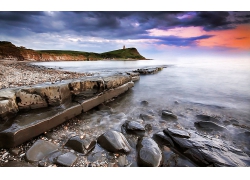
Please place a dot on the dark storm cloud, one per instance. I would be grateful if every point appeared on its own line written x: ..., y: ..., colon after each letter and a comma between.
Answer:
x: 177, y: 41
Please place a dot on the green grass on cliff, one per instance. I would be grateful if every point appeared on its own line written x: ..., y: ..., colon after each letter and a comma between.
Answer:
x: 128, y: 53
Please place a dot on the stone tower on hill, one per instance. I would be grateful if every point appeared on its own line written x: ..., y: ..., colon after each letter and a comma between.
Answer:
x: 124, y: 47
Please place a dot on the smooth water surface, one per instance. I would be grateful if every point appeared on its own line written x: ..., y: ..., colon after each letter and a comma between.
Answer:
x: 218, y: 88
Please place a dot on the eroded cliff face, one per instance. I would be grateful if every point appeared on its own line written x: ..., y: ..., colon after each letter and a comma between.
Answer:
x: 9, y: 51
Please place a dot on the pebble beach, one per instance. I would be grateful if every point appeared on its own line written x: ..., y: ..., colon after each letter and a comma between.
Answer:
x: 15, y: 74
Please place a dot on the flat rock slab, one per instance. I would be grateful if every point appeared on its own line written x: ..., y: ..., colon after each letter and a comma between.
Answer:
x: 208, y: 125
x: 114, y: 141
x: 27, y: 125
x: 206, y: 151
x: 149, y: 154
x: 8, y: 106
x: 83, y: 146
x: 67, y: 159
x: 39, y: 150
x: 207, y: 118
x: 115, y: 81
x: 167, y: 140
x: 176, y: 133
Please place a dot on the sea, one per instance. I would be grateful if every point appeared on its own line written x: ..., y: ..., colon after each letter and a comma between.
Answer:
x: 215, y: 87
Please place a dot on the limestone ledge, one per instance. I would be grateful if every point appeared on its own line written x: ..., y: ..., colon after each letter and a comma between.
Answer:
x: 50, y: 95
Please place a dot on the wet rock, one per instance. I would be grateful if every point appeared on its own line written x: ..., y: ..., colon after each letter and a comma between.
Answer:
x: 208, y: 125
x: 133, y: 125
x: 15, y: 151
x: 148, y: 127
x: 51, y: 158
x: 167, y: 140
x: 39, y: 150
x: 176, y: 133
x: 168, y: 114
x: 207, y: 118
x: 169, y: 157
x: 114, y: 141
x: 196, y: 156
x: 206, y: 151
x: 144, y: 103
x: 8, y: 106
x: 146, y: 117
x: 122, y: 161
x: 149, y: 153
x: 83, y: 146
x: 67, y: 159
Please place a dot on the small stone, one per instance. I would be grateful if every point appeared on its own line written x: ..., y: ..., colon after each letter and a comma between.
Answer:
x: 15, y: 151
x: 4, y: 155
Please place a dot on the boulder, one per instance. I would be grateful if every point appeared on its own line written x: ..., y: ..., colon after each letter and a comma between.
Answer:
x: 39, y: 150
x: 134, y: 127
x: 149, y: 154
x: 83, y: 146
x: 67, y: 159
x: 168, y: 114
x: 114, y: 141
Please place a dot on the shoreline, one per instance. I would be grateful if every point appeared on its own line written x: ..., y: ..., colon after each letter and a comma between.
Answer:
x: 21, y: 73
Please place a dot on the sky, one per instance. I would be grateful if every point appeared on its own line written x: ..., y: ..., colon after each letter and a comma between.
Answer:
x: 156, y: 34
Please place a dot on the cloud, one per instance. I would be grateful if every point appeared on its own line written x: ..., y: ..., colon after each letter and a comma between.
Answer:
x: 65, y: 29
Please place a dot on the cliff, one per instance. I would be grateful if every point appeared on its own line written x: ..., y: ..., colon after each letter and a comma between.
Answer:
x: 9, y: 51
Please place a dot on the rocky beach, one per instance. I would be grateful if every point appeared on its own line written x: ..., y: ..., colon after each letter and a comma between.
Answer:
x: 16, y: 73
x: 84, y: 126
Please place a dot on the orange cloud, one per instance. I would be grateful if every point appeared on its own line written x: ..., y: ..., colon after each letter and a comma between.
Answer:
x: 233, y: 38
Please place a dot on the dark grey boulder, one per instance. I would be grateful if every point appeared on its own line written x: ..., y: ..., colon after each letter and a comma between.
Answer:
x: 134, y: 127
x: 114, y: 141
x: 83, y: 146
x: 39, y: 150
x: 67, y: 159
x: 50, y: 159
x: 208, y: 125
x: 149, y: 154
x: 168, y: 114
x: 176, y: 133
x: 167, y: 140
